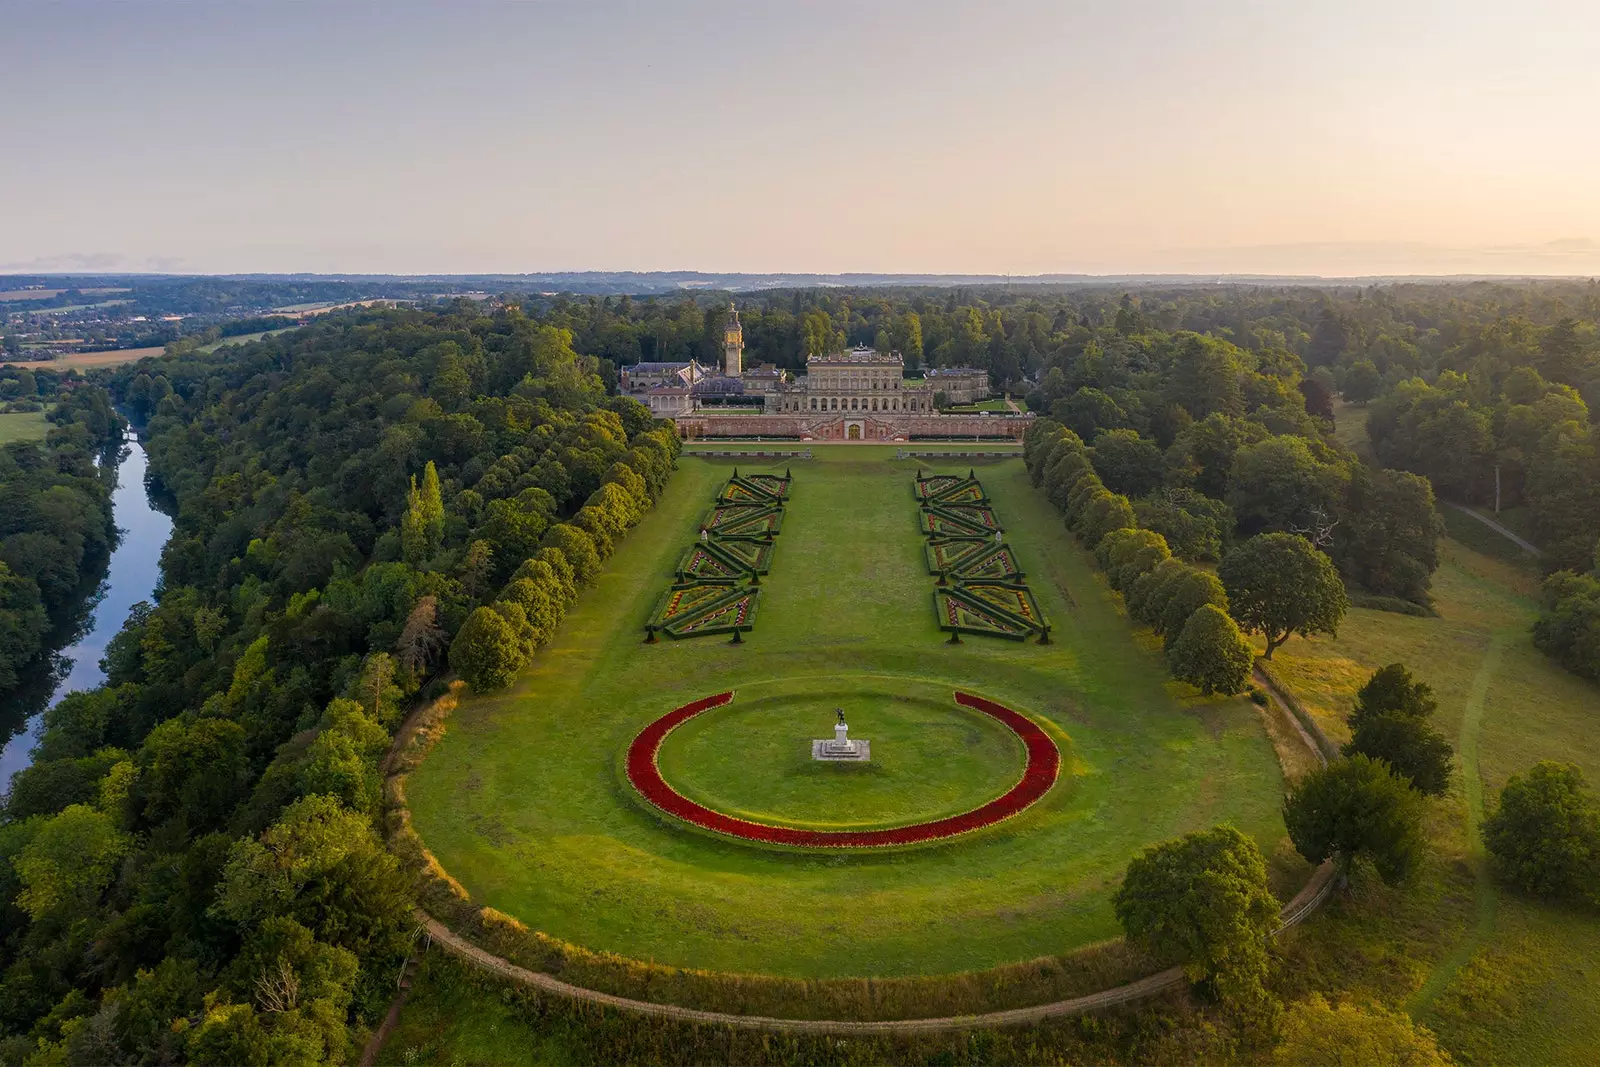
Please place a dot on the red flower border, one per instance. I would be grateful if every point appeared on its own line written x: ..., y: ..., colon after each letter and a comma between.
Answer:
x: 1044, y: 765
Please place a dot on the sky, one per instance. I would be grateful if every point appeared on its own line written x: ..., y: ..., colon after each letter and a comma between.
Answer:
x: 1349, y: 138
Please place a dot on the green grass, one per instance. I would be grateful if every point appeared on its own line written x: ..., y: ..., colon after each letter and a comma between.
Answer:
x: 931, y: 758
x: 23, y: 426
x: 458, y: 1016
x: 524, y: 802
x: 243, y: 338
x: 1499, y: 977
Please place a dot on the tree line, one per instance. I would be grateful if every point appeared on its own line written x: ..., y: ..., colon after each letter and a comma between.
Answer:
x: 190, y: 869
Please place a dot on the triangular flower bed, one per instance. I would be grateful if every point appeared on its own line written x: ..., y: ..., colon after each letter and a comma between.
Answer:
x: 719, y: 575
x: 980, y: 583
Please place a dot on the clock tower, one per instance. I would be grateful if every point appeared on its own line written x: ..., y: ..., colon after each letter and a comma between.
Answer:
x: 733, y: 345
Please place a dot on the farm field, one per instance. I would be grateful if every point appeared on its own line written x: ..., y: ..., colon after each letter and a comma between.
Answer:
x: 49, y: 294
x: 86, y: 360
x: 525, y: 803
x: 23, y: 426
x: 241, y: 339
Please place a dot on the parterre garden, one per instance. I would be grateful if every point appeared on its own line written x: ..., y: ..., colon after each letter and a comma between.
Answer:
x: 980, y: 585
x: 526, y: 800
x: 714, y: 589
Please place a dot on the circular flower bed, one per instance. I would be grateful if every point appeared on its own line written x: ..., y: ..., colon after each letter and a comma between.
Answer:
x: 1044, y: 764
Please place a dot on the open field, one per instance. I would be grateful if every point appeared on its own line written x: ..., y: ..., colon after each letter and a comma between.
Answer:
x: 525, y: 803
x: 1501, y: 978
x: 241, y: 339
x: 23, y: 426
x: 86, y: 360
x: 50, y: 294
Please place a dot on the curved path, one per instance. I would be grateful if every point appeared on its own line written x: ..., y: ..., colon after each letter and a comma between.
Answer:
x: 1043, y: 767
x: 1304, y: 903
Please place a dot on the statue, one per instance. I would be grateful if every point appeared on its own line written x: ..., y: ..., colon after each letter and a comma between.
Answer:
x: 840, y: 713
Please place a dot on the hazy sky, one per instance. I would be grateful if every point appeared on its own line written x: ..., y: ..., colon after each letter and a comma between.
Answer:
x: 1118, y: 136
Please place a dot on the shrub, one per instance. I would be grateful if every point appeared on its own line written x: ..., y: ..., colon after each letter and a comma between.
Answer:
x: 1188, y: 594
x: 1211, y: 654
x: 487, y: 651
x: 1544, y: 836
x: 1318, y: 1034
x: 1142, y: 596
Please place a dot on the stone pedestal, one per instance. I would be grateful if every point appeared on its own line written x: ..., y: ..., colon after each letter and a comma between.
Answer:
x: 841, y: 748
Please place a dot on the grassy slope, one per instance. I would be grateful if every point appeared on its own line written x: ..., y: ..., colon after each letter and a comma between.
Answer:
x: 524, y: 802
x: 1500, y: 978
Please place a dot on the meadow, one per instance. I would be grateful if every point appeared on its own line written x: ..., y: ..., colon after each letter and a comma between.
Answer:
x: 23, y: 426
x: 524, y: 800
x: 1501, y: 978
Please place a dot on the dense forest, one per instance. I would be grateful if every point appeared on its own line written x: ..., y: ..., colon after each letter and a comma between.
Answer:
x: 191, y: 865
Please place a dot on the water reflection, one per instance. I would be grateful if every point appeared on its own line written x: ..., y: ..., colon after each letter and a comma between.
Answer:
x: 131, y: 577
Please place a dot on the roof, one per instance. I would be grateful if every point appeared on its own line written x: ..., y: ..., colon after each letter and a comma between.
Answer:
x: 952, y: 372
x: 656, y: 367
x: 858, y: 355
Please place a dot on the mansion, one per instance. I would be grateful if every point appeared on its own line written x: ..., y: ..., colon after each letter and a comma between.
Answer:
x: 839, y: 386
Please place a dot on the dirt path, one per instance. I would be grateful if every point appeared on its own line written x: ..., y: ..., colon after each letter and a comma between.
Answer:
x: 1497, y: 528
x: 1483, y: 886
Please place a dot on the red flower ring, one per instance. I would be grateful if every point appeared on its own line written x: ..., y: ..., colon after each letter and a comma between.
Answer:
x: 1044, y: 764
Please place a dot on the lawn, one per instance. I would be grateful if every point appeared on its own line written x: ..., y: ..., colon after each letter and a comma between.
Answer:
x: 932, y: 757
x: 23, y: 426
x: 525, y: 802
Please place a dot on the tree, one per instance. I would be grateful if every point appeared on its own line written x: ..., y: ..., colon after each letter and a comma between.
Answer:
x: 321, y: 865
x: 1127, y: 463
x: 1362, y: 382
x: 1187, y: 594
x: 1389, y: 539
x: 1353, y: 808
x: 1318, y: 1034
x: 1193, y: 524
x: 1390, y: 723
x: 577, y: 547
x: 1278, y: 484
x: 1568, y: 627
x: 193, y: 771
x: 1204, y: 899
x: 487, y: 651
x: 1278, y: 585
x: 1393, y: 691
x: 422, y: 638
x: 1411, y: 747
x: 69, y: 862
x: 422, y: 526
x: 1211, y: 654
x: 1544, y: 835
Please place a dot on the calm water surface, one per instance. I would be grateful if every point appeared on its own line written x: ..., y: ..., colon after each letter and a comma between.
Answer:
x: 130, y: 578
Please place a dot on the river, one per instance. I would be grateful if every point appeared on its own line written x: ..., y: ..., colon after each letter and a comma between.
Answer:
x: 131, y: 576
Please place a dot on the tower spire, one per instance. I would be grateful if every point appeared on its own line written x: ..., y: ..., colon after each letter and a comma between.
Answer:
x: 733, y: 344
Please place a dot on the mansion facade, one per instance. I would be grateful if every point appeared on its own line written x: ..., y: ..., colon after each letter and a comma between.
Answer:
x: 858, y: 394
